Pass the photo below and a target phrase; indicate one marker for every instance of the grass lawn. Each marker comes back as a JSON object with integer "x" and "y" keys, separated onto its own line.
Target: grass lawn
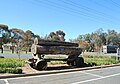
{"x": 101, "y": 60}
{"x": 97, "y": 60}
{"x": 14, "y": 65}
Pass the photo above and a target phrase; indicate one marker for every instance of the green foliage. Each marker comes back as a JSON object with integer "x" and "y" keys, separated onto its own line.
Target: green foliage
{"x": 5, "y": 34}
{"x": 98, "y": 39}
{"x": 100, "y": 60}
{"x": 2, "y": 26}
{"x": 11, "y": 62}
{"x": 11, "y": 65}
{"x": 11, "y": 70}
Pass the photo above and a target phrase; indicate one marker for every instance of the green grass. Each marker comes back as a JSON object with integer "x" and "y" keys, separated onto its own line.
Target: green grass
{"x": 96, "y": 60}
{"x": 11, "y": 65}
{"x": 57, "y": 62}
{"x": 101, "y": 60}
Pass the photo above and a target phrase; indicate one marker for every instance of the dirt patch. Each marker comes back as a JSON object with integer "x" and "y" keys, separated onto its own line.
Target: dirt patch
{"x": 27, "y": 69}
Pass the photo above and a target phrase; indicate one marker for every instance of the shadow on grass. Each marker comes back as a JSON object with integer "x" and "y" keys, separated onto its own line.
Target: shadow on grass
{"x": 60, "y": 67}
{"x": 71, "y": 67}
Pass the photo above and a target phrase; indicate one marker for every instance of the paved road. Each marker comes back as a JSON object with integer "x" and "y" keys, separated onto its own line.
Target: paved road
{"x": 109, "y": 75}
{"x": 16, "y": 55}
{"x": 28, "y": 55}
{"x": 99, "y": 54}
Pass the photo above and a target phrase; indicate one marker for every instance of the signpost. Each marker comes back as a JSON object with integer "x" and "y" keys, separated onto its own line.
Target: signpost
{"x": 118, "y": 54}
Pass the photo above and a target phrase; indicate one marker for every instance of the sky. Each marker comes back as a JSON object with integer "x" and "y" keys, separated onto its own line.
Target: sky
{"x": 74, "y": 17}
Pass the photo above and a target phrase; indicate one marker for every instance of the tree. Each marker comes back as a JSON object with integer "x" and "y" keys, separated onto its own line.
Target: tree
{"x": 3, "y": 27}
{"x": 5, "y": 35}
{"x": 85, "y": 42}
{"x": 17, "y": 33}
{"x": 112, "y": 37}
{"x": 118, "y": 39}
{"x": 98, "y": 37}
{"x": 61, "y": 34}
{"x": 28, "y": 39}
{"x": 58, "y": 35}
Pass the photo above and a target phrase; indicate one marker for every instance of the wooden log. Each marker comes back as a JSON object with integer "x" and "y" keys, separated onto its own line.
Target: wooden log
{"x": 43, "y": 42}
{"x": 37, "y": 49}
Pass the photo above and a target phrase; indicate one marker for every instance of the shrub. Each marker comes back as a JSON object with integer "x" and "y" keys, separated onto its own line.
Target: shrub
{"x": 11, "y": 65}
{"x": 10, "y": 70}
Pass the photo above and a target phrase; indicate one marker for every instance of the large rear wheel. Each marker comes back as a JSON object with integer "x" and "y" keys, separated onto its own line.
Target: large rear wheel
{"x": 78, "y": 62}
{"x": 41, "y": 65}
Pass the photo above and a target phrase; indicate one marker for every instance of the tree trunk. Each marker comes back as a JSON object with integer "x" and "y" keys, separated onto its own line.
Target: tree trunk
{"x": 1, "y": 50}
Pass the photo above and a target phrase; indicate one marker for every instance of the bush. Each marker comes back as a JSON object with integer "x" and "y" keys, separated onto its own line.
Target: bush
{"x": 11, "y": 62}
{"x": 11, "y": 65}
{"x": 10, "y": 70}
{"x": 2, "y": 70}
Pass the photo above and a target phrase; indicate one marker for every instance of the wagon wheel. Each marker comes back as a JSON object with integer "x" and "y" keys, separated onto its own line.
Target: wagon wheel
{"x": 41, "y": 65}
{"x": 79, "y": 62}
